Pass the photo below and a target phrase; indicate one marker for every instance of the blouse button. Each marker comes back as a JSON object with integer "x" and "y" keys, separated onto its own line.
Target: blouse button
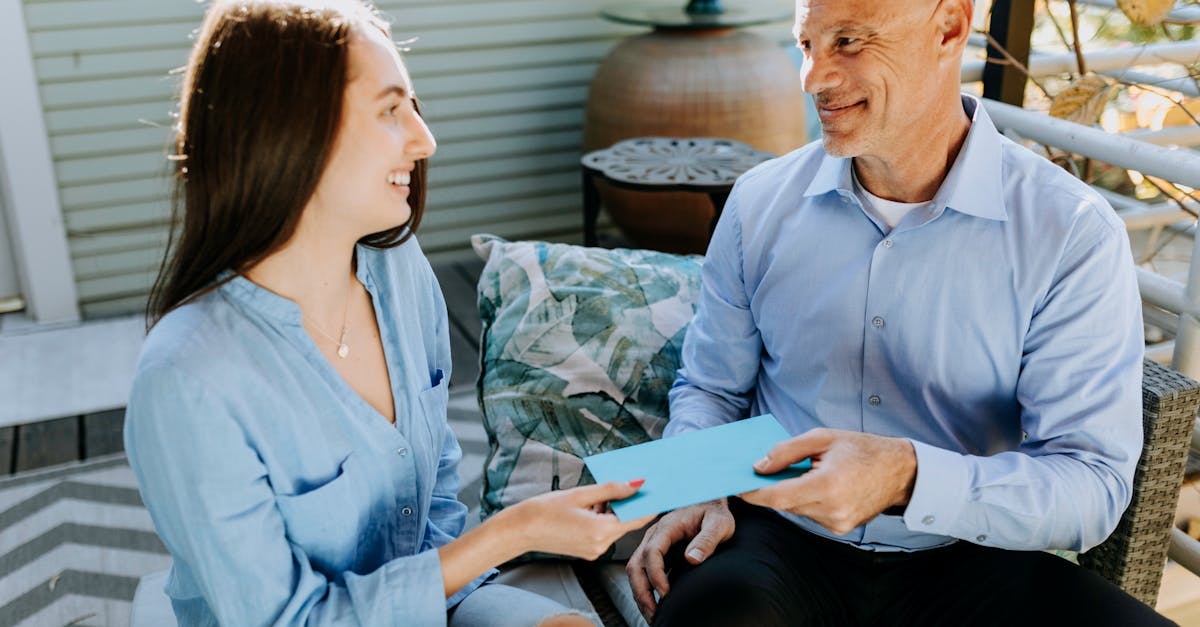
{"x": 407, "y": 511}
{"x": 402, "y": 451}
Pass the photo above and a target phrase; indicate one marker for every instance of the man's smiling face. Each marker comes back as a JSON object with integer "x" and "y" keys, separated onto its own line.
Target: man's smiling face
{"x": 870, "y": 67}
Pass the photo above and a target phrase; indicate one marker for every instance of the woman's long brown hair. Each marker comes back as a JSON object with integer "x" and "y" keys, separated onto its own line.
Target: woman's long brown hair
{"x": 259, "y": 111}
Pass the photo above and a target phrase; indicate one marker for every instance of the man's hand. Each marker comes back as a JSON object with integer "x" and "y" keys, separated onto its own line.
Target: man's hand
{"x": 707, "y": 525}
{"x": 854, "y": 477}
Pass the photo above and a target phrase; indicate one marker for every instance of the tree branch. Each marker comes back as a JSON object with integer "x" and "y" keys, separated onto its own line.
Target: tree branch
{"x": 1013, "y": 61}
{"x": 1075, "y": 37}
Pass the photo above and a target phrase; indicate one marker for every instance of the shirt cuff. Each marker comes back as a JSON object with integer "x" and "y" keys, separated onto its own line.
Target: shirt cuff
{"x": 939, "y": 491}
{"x": 458, "y": 597}
{"x": 414, "y": 585}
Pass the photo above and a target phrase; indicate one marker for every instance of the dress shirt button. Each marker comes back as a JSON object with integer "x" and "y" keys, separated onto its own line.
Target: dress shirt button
{"x": 402, "y": 451}
{"x": 877, "y": 322}
{"x": 407, "y": 511}
{"x": 928, "y": 520}
{"x": 887, "y": 243}
{"x": 874, "y": 400}
{"x": 981, "y": 538}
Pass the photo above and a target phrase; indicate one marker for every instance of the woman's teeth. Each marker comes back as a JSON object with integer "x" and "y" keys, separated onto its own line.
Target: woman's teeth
{"x": 399, "y": 178}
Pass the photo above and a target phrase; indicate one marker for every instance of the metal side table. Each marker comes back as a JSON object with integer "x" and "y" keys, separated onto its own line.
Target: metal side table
{"x": 707, "y": 165}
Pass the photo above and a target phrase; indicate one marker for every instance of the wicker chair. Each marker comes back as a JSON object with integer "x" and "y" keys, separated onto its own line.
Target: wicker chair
{"x": 1134, "y": 555}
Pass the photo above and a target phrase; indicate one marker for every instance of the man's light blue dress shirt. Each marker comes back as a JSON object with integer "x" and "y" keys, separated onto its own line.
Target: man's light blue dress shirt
{"x": 283, "y": 496}
{"x": 998, "y": 329}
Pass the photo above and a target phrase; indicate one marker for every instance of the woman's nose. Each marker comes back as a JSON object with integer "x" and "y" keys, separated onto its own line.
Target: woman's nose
{"x": 421, "y": 143}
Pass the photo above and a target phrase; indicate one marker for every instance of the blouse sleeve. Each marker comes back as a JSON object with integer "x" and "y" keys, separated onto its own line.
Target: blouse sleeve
{"x": 208, "y": 493}
{"x": 447, "y": 515}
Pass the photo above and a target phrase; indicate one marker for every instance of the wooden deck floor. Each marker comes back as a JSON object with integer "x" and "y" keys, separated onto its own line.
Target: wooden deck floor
{"x": 29, "y": 447}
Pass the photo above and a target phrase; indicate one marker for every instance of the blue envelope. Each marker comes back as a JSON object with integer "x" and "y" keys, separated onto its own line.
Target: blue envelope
{"x": 694, "y": 467}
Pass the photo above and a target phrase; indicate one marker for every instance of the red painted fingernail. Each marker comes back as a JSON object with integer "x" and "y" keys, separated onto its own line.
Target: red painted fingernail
{"x": 637, "y": 483}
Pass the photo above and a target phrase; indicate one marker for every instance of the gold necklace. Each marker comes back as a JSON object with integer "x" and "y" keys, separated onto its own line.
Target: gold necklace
{"x": 343, "y": 349}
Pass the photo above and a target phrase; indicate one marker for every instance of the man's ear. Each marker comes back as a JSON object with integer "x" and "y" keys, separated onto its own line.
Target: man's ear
{"x": 953, "y": 19}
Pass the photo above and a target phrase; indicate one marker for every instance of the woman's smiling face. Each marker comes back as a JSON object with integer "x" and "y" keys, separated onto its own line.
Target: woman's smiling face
{"x": 364, "y": 187}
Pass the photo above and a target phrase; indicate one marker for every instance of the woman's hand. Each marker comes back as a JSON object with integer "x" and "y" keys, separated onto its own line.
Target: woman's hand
{"x": 571, "y": 522}
{"x": 574, "y": 522}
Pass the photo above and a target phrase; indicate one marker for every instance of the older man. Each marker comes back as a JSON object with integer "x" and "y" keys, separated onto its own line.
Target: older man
{"x": 948, "y": 324}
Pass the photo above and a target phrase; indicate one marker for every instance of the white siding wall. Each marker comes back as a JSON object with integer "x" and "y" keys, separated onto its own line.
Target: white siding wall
{"x": 503, "y": 84}
{"x": 8, "y": 266}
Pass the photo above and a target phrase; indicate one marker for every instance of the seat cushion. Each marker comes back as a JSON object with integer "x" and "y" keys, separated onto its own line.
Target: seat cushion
{"x": 553, "y": 579}
{"x": 616, "y": 585}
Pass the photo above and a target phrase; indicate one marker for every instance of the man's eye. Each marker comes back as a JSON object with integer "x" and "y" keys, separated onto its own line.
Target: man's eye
{"x": 804, "y": 45}
{"x": 844, "y": 42}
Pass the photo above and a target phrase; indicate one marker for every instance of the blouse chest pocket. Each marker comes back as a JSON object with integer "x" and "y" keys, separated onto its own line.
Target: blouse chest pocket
{"x": 434, "y": 399}
{"x": 327, "y": 521}
{"x": 429, "y": 419}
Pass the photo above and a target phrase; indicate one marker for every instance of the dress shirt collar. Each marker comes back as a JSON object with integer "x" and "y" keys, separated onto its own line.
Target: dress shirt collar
{"x": 973, "y": 185}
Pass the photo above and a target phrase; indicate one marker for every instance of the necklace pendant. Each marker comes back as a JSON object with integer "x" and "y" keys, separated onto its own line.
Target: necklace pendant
{"x": 343, "y": 350}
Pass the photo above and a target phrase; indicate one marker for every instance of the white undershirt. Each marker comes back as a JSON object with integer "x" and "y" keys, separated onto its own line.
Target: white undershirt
{"x": 889, "y": 212}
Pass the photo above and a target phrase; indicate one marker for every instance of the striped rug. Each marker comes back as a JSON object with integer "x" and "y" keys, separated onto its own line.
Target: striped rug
{"x": 74, "y": 540}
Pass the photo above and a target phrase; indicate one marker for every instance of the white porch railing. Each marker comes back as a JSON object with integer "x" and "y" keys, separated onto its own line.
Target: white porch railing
{"x": 1180, "y": 301}
{"x": 1181, "y": 12}
{"x": 1114, "y": 60}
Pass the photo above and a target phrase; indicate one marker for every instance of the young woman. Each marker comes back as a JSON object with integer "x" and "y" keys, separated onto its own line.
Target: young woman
{"x": 287, "y": 423}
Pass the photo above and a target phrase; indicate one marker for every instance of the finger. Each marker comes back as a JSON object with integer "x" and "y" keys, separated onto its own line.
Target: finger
{"x": 792, "y": 495}
{"x": 760, "y": 497}
{"x": 795, "y": 449}
{"x": 715, "y": 528}
{"x": 608, "y": 491}
{"x": 775, "y": 497}
{"x": 658, "y": 539}
{"x": 651, "y": 556}
{"x": 640, "y": 586}
{"x": 655, "y": 566}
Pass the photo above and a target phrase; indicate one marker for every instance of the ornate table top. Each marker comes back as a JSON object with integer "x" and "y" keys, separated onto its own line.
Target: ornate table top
{"x": 695, "y": 162}
{"x": 675, "y": 17}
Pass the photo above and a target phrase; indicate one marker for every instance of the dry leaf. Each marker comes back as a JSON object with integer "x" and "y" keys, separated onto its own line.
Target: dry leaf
{"x": 1175, "y": 114}
{"x": 1146, "y": 12}
{"x": 1083, "y": 100}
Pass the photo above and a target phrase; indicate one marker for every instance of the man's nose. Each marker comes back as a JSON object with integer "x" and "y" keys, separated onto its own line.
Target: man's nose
{"x": 818, "y": 72}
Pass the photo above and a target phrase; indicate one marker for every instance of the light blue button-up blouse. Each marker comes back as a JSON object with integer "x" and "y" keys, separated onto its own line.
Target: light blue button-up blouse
{"x": 998, "y": 329}
{"x": 283, "y": 496}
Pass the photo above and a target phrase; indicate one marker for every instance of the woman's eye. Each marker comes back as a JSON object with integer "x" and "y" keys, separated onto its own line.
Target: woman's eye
{"x": 844, "y": 42}
{"x": 804, "y": 45}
